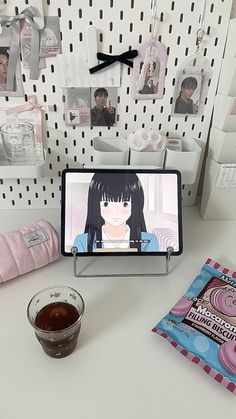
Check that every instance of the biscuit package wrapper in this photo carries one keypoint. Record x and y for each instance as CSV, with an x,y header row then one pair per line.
x,y
202,325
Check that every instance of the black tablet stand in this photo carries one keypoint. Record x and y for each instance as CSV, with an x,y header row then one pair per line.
x,y
74,251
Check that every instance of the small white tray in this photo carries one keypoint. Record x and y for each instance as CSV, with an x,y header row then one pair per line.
x,y
9,171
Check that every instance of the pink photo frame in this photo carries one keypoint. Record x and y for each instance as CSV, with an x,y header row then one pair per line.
x,y
149,71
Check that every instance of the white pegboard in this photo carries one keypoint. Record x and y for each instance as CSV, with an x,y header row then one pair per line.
x,y
121,24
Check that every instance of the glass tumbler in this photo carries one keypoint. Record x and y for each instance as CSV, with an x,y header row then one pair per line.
x,y
55,313
18,141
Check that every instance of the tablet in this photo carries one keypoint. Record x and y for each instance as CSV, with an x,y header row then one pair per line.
x,y
121,212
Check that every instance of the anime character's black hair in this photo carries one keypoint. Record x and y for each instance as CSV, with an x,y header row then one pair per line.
x,y
115,187
189,83
101,92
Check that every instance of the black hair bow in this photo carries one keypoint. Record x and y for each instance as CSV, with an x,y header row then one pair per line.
x,y
110,59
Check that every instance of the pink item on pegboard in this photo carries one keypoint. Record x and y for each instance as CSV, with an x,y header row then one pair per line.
x,y
27,248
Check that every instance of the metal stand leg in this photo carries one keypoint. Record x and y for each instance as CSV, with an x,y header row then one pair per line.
x,y
74,250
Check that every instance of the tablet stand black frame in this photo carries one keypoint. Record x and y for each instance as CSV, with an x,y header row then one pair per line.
x,y
74,251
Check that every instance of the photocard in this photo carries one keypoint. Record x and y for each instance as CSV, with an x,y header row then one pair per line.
x,y
77,105
149,71
4,59
50,38
103,106
17,88
187,94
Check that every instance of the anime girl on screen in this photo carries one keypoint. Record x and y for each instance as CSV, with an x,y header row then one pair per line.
x,y
115,220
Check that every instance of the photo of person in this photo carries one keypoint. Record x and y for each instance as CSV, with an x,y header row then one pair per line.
x,y
3,67
103,113
78,97
149,76
188,94
77,105
115,218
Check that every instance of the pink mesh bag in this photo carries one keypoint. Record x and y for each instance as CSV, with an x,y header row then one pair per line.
x,y
27,248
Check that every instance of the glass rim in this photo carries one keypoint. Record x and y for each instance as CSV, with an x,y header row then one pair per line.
x,y
27,124
60,330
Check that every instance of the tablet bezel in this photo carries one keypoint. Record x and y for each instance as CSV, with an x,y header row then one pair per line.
x,y
137,171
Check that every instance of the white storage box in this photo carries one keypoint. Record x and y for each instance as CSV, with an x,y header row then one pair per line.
x,y
110,151
227,80
222,146
230,48
219,191
224,115
186,161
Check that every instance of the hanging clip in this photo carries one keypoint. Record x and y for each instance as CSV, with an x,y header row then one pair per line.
x,y
200,35
201,32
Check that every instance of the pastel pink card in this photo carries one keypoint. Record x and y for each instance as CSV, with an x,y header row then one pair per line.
x,y
149,71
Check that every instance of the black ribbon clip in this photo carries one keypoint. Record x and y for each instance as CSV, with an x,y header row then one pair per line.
x,y
110,59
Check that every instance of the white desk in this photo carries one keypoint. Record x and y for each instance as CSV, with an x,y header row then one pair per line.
x,y
120,369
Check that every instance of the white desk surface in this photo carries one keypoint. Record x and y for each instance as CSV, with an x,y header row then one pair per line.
x,y
120,369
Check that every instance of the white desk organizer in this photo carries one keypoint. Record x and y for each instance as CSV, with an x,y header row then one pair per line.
x,y
110,151
223,118
186,161
227,80
219,191
222,146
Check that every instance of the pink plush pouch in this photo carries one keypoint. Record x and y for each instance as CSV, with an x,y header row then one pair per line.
x,y
27,248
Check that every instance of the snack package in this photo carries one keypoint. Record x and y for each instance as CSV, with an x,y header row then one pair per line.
x,y
202,325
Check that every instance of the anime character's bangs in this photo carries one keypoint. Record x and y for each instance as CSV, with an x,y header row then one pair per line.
x,y
115,188
116,195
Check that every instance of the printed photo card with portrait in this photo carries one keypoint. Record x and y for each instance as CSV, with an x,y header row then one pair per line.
x,y
132,212
103,106
191,87
148,76
16,88
77,105
187,95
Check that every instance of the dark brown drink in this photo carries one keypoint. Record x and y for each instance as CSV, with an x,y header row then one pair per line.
x,y
56,318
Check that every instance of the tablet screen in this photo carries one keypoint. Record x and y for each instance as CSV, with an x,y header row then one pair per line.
x,y
122,212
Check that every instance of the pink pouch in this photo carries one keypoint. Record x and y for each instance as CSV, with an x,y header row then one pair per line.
x,y
27,248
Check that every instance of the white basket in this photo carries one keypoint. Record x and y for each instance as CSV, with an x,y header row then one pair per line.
x,y
111,151
186,161
147,158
